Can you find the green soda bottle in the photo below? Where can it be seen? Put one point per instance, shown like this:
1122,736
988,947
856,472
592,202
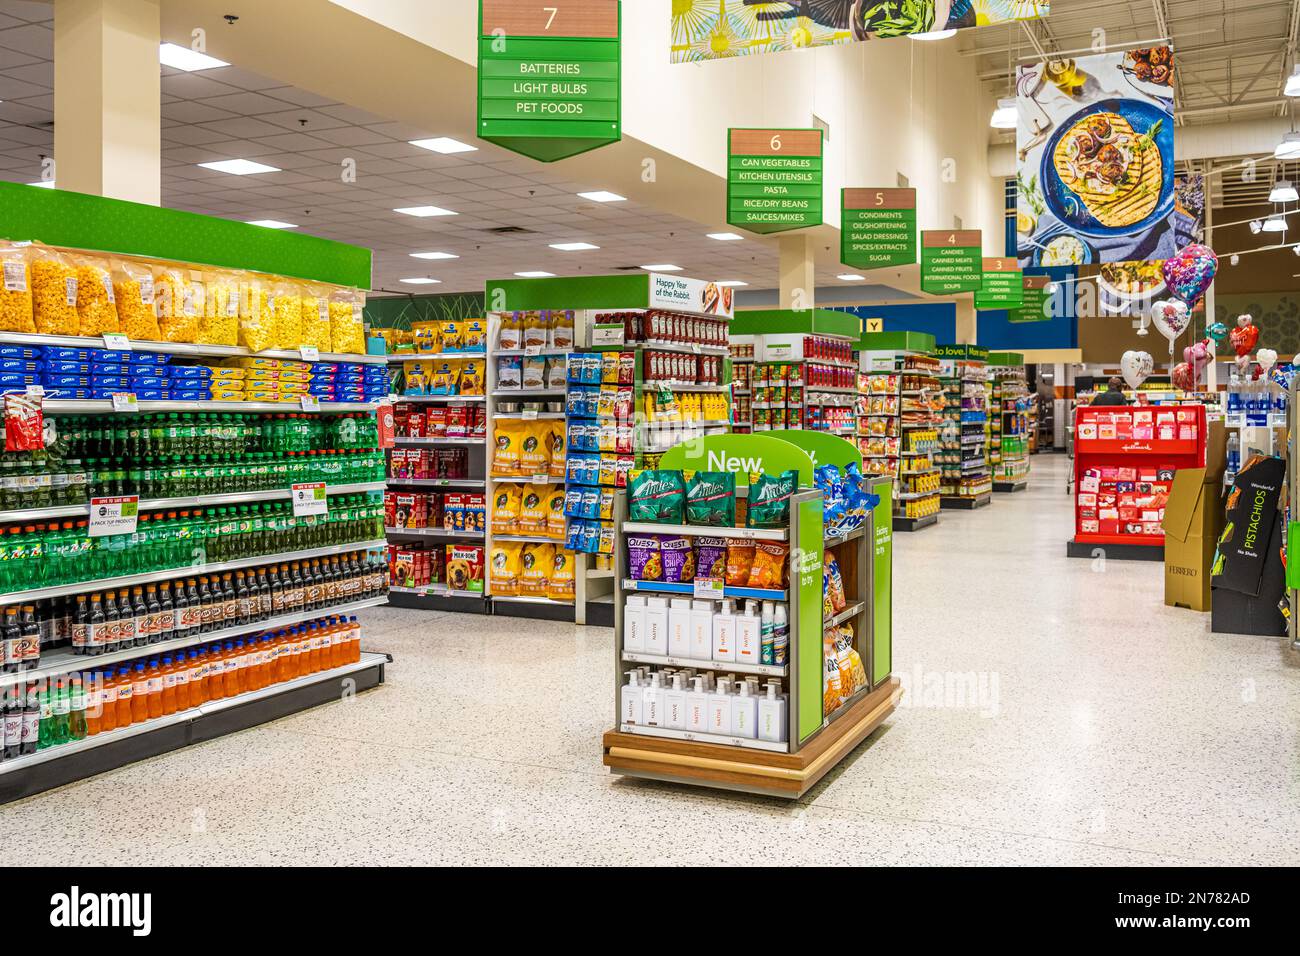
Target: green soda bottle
45,731
77,709
60,710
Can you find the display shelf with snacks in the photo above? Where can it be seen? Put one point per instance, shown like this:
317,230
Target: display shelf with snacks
725,646
1011,406
965,479
1125,458
742,391
899,415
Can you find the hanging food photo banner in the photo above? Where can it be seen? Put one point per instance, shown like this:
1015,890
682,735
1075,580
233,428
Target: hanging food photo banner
549,76
1095,139
1036,296
952,260
877,227
774,179
721,29
1001,287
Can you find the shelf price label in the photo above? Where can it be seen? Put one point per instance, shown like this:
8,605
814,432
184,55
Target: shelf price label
309,353
602,335
1036,298
708,589
877,227
309,499
774,179
1002,285
952,261
125,402
549,76
309,403
116,342
110,516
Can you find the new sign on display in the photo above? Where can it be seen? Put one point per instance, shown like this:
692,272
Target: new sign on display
549,82
774,179
1036,298
1002,286
877,227
952,261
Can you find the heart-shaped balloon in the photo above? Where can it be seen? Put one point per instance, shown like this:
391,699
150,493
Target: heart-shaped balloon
1266,358
1136,367
1170,318
1189,273
1217,331
1244,336
1198,355
1182,377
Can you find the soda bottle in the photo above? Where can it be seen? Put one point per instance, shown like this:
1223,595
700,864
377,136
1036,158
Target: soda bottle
31,725
155,679
61,706
107,699
168,671
139,693
30,637
181,678
13,724
45,731
153,614
166,628
77,729
80,625
11,638
125,681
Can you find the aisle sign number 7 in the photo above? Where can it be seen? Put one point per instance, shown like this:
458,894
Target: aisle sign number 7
551,19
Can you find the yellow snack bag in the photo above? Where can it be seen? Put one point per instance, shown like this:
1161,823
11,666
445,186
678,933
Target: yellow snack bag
96,308
220,323
347,322
505,457
535,450
316,317
471,380
15,290
256,314
503,573
535,569
560,584
287,304
505,509
558,450
54,293
474,337
451,335
133,289
178,302
533,509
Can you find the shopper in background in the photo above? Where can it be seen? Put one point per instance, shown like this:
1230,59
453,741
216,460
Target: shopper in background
1114,395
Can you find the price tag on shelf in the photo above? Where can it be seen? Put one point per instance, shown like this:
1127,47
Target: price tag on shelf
309,403
309,499
529,414
532,350
35,391
607,334
113,515
708,589
116,342
125,402
542,479
309,353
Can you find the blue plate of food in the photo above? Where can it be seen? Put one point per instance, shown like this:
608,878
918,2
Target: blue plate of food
1108,170
1061,247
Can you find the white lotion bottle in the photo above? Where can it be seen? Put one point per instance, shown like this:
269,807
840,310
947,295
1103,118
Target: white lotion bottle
652,702
631,700
697,708
675,705
724,633
720,710
634,623
749,634
679,628
744,713
656,626
701,643
771,714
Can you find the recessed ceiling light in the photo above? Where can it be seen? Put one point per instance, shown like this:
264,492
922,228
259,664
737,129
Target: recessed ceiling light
43,184
183,58
444,145
726,236
420,280
603,196
851,277
424,211
662,267
271,224
535,275
239,167
573,246
733,283
433,255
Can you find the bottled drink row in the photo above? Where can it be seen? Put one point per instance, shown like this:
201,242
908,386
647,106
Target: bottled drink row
45,714
55,553
103,622
223,434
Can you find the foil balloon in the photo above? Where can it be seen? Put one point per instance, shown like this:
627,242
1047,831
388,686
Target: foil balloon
1266,358
1217,331
1189,273
1183,377
1244,336
1170,318
1198,355
1136,366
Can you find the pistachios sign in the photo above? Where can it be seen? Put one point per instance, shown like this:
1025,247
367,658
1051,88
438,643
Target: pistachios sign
774,179
549,76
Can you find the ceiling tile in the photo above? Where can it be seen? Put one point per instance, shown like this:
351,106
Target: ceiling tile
244,127
193,86
191,112
352,114
299,97
246,104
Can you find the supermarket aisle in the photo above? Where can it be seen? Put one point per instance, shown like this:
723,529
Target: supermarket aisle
1083,723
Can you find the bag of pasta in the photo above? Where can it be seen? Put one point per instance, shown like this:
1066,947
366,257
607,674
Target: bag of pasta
256,314
16,292
347,322
178,302
96,303
54,292
134,291
220,324
287,303
316,318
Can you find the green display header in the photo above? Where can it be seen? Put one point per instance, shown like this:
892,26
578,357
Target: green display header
742,455
630,291
973,353
795,322
896,342
877,227
549,77
952,261
1006,358
774,179
58,217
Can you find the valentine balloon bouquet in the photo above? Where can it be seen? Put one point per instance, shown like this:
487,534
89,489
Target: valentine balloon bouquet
1187,275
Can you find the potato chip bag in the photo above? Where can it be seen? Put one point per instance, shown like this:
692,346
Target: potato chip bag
133,288
505,456
740,562
15,290
711,558
287,315
316,317
768,570
505,563
54,292
96,302
644,562
834,583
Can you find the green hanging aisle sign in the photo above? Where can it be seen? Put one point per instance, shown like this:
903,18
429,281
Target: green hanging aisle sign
877,227
774,179
1002,287
1036,294
952,261
549,76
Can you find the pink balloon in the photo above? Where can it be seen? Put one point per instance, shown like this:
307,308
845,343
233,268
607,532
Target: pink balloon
1189,273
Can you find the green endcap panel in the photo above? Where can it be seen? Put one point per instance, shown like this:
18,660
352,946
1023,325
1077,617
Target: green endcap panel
896,341
882,583
57,217
741,455
969,353
1006,358
806,576
583,292
821,447
796,322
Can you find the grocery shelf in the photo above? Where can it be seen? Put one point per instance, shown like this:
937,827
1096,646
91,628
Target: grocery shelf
752,534
832,540
673,587
514,392
166,574
104,406
531,599
63,662
434,532
669,425
685,387
531,416
415,442
526,479
528,538
184,348
768,670
156,504
437,482
747,743
398,358
441,399
852,611
688,348
436,590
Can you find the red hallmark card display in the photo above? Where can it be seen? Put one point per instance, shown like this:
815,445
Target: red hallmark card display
1124,464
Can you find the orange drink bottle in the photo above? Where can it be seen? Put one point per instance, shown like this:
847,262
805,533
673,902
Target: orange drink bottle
168,686
125,691
155,688
94,706
106,697
139,694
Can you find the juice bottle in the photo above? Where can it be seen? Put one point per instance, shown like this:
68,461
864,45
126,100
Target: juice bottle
168,670
355,639
180,682
155,678
193,679
125,697
216,680
106,700
139,694
77,726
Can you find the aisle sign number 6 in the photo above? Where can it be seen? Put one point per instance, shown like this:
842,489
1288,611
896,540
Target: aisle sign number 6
776,143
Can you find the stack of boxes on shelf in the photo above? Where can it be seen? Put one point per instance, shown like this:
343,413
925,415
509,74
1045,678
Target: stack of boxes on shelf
742,391
1010,403
965,478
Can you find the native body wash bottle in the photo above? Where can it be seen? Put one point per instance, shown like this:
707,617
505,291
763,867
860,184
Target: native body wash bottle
771,714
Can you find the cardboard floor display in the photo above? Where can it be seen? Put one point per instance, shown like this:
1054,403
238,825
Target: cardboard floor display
1192,523
1248,576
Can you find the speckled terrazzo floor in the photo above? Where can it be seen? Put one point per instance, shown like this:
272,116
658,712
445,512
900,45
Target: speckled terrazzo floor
1112,730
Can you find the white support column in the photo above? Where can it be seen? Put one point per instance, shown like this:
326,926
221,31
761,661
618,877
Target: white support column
107,93
798,272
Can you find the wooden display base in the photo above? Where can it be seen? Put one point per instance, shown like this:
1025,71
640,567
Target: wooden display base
964,503
752,771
